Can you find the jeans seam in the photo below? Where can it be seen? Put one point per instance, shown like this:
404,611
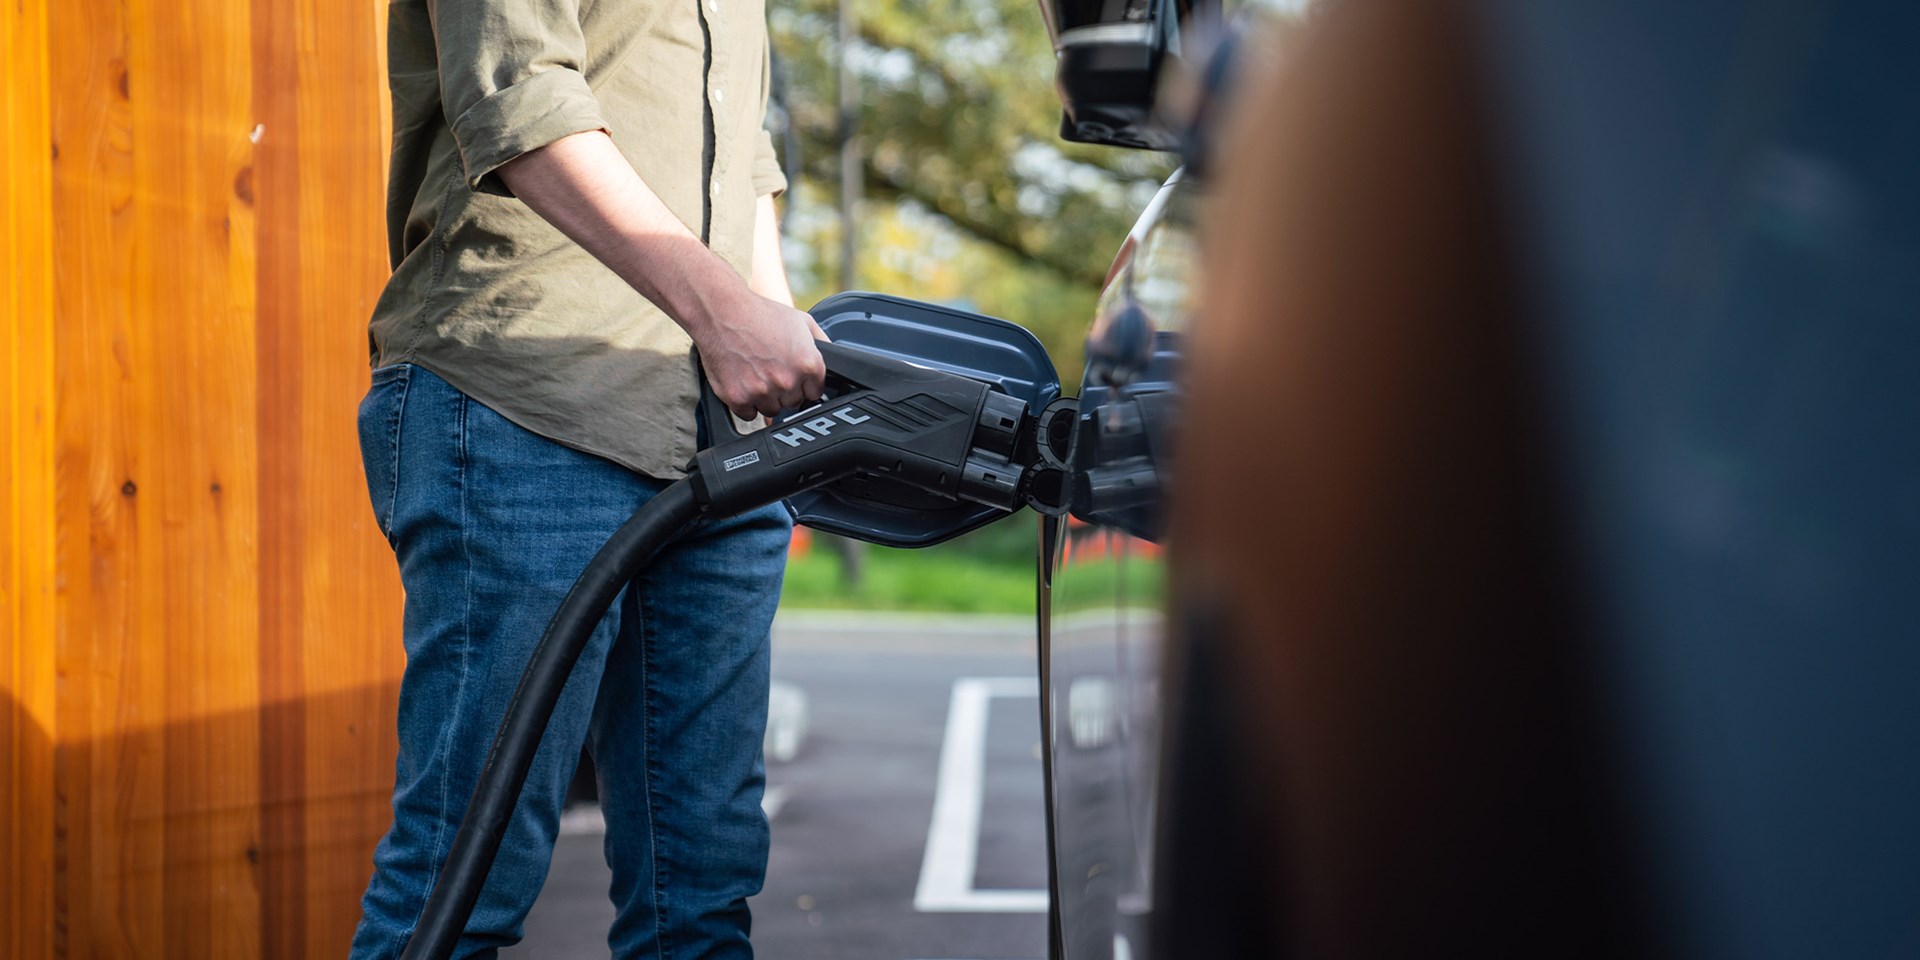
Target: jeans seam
645,635
405,376
466,636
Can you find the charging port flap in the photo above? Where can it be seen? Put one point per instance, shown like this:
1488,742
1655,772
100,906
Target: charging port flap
1001,354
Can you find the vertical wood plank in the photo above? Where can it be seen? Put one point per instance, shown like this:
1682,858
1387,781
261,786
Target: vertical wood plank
330,649
193,286
92,198
27,610
349,583
283,783
156,768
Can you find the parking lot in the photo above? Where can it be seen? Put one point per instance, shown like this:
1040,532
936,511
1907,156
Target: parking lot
908,824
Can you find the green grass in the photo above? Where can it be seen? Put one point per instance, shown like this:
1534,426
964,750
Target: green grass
978,577
928,580
1095,584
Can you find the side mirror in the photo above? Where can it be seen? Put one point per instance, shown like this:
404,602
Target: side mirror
1109,58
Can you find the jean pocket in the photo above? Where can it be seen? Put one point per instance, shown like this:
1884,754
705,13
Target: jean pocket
380,414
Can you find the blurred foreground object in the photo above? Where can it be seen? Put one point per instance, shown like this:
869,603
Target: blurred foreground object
1549,524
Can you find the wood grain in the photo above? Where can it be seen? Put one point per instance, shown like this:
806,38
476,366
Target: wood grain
200,654
320,85
27,527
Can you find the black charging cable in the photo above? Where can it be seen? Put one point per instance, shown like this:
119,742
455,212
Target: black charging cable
943,438
491,810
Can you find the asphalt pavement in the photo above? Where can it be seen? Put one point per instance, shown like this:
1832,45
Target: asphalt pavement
909,823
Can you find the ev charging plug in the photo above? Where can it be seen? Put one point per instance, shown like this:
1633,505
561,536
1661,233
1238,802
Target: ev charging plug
941,433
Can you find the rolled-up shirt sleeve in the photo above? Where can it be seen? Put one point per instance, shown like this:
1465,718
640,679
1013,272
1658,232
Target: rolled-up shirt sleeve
511,80
768,179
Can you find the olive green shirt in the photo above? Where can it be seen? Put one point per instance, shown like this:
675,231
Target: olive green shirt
488,295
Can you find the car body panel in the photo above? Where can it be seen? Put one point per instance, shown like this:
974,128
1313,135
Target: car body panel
1102,586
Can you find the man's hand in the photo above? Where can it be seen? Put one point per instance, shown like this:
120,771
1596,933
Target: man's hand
759,354
761,359
756,376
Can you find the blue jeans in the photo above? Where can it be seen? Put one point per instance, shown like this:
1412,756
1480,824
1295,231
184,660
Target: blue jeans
491,524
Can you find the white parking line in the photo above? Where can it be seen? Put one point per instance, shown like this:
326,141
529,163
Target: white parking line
584,821
773,800
953,838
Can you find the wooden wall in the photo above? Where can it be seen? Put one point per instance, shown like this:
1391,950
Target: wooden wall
199,649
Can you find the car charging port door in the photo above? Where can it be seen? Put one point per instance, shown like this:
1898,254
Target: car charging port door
1003,355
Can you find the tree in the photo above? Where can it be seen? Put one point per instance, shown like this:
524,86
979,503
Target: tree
971,195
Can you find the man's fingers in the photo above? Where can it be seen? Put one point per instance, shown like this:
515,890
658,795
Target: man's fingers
796,399
815,381
769,383
809,391
764,401
746,403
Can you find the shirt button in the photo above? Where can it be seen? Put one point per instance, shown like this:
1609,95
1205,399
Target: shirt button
719,95
713,7
715,189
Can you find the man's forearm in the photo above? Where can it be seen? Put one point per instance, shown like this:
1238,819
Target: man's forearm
758,353
769,277
585,187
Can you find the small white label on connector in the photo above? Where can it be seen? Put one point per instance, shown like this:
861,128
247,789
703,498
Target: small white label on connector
746,459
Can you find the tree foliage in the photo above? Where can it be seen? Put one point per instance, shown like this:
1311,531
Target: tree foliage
970,195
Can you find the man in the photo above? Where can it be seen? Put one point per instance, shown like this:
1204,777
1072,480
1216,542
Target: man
581,191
